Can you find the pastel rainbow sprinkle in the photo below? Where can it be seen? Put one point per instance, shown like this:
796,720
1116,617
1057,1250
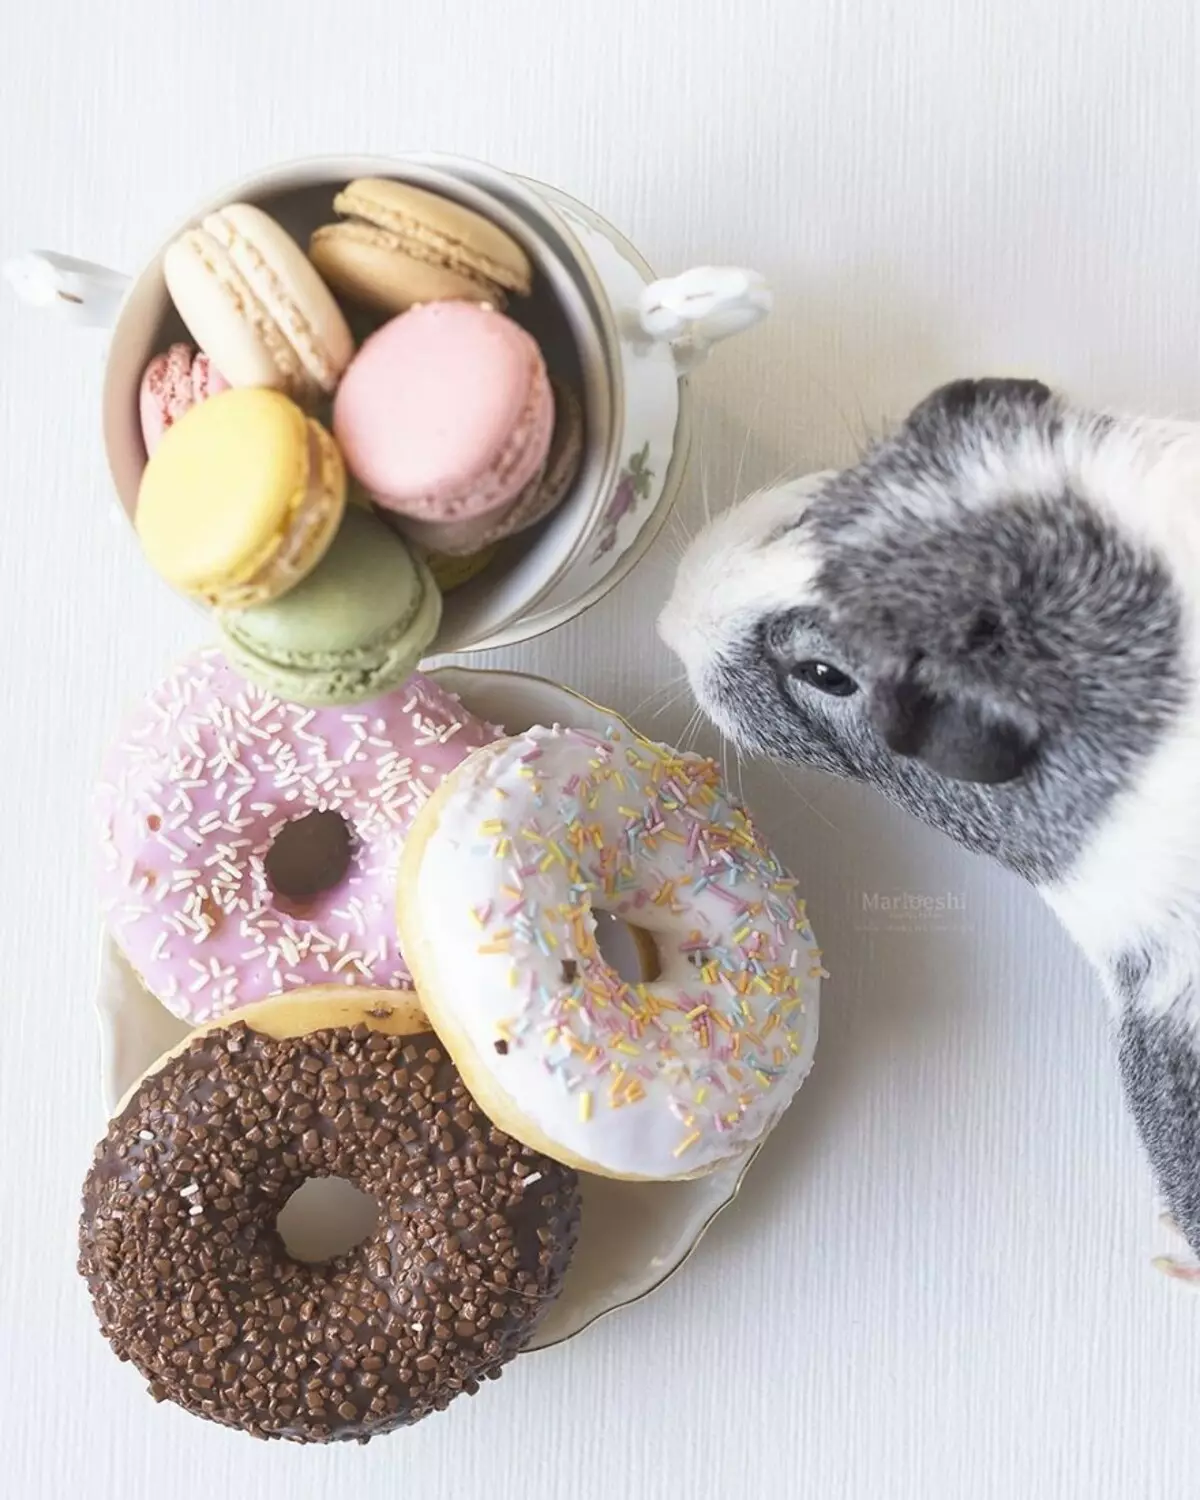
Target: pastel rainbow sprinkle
687,863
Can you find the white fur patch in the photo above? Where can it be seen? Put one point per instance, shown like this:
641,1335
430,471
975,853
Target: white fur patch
730,577
1137,881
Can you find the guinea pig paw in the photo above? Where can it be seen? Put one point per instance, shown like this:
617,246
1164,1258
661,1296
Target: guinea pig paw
1183,1266
1178,1270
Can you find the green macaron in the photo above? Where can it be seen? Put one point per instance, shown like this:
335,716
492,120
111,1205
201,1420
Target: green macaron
356,627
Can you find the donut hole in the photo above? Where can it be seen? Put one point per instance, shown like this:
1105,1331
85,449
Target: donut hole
309,856
326,1217
629,951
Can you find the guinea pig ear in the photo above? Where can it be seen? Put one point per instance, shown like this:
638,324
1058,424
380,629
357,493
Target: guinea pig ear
955,737
964,398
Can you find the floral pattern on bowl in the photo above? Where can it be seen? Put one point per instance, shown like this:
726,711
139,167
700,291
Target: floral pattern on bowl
635,484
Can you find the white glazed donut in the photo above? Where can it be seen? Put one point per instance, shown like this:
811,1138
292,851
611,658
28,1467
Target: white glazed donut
500,877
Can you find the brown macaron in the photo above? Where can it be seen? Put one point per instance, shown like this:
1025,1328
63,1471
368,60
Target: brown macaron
397,245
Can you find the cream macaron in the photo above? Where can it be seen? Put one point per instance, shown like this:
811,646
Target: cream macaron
256,305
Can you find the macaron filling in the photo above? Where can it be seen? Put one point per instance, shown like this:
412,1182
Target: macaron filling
296,548
354,628
390,227
420,244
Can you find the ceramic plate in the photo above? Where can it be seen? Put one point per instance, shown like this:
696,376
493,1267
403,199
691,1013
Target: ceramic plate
634,1234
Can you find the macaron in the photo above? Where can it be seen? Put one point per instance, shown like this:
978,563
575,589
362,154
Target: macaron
399,245
452,572
254,303
172,384
241,499
542,495
355,628
446,413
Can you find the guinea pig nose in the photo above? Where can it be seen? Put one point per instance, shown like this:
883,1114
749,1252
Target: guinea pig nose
952,737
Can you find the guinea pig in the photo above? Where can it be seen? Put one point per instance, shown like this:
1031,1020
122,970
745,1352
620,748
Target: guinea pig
993,617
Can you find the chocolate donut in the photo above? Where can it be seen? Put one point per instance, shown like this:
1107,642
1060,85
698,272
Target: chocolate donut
192,1282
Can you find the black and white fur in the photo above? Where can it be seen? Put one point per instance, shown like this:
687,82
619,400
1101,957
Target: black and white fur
994,618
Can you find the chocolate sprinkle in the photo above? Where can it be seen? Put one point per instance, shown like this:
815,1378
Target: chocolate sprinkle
193,1284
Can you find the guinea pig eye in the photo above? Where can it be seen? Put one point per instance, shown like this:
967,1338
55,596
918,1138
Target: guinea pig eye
825,678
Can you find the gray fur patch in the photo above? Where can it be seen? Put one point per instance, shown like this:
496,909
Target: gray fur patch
1160,1069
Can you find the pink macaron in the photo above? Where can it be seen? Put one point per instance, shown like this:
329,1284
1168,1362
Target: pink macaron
446,413
172,384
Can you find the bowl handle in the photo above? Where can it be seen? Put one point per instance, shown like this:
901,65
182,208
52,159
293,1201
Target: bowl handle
698,308
76,290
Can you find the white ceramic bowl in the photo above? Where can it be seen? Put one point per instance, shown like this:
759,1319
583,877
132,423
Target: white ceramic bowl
622,338
634,1235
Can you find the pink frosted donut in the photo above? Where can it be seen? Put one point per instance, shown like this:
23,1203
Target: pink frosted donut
208,776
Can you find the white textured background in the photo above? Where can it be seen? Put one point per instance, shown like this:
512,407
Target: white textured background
936,1282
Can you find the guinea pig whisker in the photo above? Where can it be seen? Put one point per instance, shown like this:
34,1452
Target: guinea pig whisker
691,728
795,791
740,763
741,464
671,701
859,433
678,542
676,686
679,534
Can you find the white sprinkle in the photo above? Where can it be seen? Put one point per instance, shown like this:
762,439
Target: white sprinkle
190,1191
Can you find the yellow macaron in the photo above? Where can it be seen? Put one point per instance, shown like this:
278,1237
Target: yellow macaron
241,499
